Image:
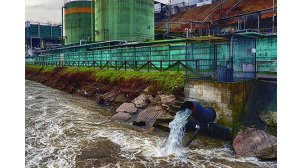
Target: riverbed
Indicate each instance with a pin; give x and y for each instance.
(64, 130)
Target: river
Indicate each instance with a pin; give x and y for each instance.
(63, 130)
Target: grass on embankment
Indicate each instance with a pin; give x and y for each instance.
(166, 80)
(107, 86)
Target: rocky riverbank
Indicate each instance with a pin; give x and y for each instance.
(140, 98)
(107, 87)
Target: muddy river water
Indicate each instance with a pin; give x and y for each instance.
(64, 130)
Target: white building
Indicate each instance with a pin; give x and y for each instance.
(157, 8)
(185, 2)
(204, 2)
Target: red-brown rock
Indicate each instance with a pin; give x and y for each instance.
(253, 142)
(167, 99)
(127, 108)
(141, 101)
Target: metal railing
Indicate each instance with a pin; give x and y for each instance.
(207, 69)
(136, 65)
(267, 66)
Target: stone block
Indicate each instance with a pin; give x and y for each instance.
(127, 108)
(121, 116)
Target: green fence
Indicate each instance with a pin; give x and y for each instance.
(267, 54)
(211, 58)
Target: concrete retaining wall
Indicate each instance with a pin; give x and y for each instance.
(227, 99)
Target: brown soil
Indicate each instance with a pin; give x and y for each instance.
(103, 91)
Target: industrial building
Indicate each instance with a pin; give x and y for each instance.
(120, 33)
(78, 22)
(41, 36)
(108, 20)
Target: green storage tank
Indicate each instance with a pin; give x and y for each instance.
(78, 21)
(129, 20)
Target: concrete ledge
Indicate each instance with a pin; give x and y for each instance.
(227, 98)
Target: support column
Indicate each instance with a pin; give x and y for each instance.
(258, 22)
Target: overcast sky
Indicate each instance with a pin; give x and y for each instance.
(47, 11)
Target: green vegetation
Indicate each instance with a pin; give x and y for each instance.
(166, 81)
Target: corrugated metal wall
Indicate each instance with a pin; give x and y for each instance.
(45, 31)
(204, 52)
(77, 21)
(267, 54)
(129, 20)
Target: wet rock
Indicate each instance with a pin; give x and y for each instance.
(154, 101)
(150, 130)
(107, 98)
(269, 118)
(150, 114)
(167, 99)
(141, 101)
(146, 91)
(121, 116)
(253, 142)
(120, 98)
(127, 108)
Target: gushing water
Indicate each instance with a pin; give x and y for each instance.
(177, 128)
(62, 130)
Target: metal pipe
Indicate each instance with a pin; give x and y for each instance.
(38, 29)
(244, 24)
(92, 21)
(63, 42)
(255, 75)
(238, 24)
(231, 51)
(199, 113)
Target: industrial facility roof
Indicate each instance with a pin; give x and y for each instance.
(141, 44)
(218, 10)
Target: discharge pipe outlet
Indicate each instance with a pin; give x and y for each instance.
(199, 113)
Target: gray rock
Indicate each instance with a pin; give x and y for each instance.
(127, 108)
(141, 101)
(255, 143)
(121, 116)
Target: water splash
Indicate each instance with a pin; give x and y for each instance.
(59, 127)
(177, 128)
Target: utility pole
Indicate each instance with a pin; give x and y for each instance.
(273, 16)
(62, 35)
(168, 21)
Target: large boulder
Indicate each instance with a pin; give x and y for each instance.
(255, 143)
(150, 114)
(141, 101)
(127, 108)
(121, 116)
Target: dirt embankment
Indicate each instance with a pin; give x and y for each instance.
(103, 90)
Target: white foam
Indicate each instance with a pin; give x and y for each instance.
(177, 128)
